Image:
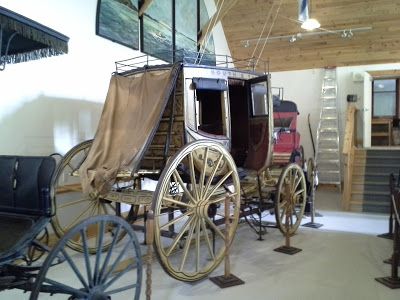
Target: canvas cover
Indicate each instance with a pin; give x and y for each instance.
(131, 113)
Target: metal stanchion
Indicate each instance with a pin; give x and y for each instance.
(149, 254)
(311, 199)
(228, 279)
(287, 248)
(393, 281)
(389, 234)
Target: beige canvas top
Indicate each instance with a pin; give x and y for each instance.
(131, 113)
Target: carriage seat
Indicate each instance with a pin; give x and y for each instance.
(25, 201)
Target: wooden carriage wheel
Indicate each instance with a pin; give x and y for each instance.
(206, 192)
(93, 276)
(71, 205)
(290, 198)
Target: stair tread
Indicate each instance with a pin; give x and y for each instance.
(370, 192)
(386, 183)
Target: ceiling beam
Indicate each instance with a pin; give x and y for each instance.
(221, 11)
(145, 5)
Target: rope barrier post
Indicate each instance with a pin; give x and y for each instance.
(149, 254)
(287, 249)
(228, 279)
(311, 200)
(393, 281)
(389, 234)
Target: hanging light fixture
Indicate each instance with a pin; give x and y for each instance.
(307, 23)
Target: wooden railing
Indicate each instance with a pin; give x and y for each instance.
(348, 155)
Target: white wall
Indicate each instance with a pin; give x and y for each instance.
(52, 104)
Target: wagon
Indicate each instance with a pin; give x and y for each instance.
(26, 207)
(203, 136)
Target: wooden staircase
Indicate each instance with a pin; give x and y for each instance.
(370, 179)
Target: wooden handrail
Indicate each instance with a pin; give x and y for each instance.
(348, 155)
(349, 134)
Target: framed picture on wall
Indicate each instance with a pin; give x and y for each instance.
(118, 21)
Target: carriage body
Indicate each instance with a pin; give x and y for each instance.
(229, 106)
(287, 138)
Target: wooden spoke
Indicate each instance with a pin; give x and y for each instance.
(203, 172)
(197, 245)
(187, 243)
(220, 182)
(204, 229)
(91, 205)
(179, 236)
(222, 198)
(86, 255)
(74, 202)
(178, 178)
(67, 288)
(215, 228)
(180, 203)
(74, 268)
(193, 176)
(211, 177)
(177, 219)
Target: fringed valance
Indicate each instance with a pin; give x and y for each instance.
(22, 39)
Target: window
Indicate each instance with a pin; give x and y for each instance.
(259, 99)
(385, 99)
(210, 111)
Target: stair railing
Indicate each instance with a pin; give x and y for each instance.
(348, 154)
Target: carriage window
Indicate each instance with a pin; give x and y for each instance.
(259, 99)
(209, 114)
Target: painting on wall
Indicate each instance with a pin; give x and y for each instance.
(157, 30)
(118, 21)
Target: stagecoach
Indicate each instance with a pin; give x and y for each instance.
(203, 136)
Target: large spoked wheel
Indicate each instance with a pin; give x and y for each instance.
(71, 205)
(93, 276)
(290, 199)
(205, 195)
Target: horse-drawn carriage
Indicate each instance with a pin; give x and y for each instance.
(205, 134)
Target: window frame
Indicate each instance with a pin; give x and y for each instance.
(397, 92)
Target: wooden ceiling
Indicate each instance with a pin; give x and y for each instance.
(245, 20)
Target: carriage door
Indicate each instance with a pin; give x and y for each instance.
(260, 123)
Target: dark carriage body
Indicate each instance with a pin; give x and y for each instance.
(26, 194)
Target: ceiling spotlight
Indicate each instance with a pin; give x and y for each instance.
(307, 23)
(347, 34)
(310, 24)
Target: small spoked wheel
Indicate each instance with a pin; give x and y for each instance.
(290, 199)
(311, 172)
(118, 271)
(72, 205)
(194, 214)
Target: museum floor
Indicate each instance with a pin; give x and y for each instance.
(338, 261)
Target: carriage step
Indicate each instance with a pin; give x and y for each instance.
(131, 197)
